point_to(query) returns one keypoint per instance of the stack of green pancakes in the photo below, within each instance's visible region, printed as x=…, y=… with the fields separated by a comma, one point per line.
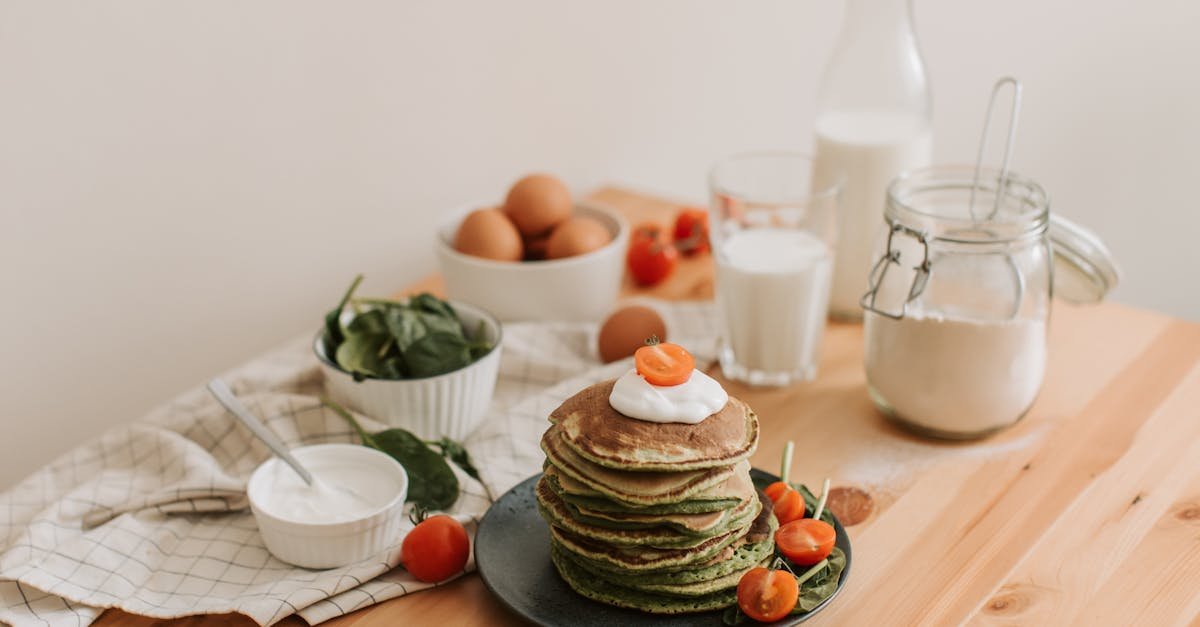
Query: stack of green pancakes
x=660, y=517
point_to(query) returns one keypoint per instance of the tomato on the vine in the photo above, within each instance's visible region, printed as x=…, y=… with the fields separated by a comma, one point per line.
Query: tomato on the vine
x=651, y=257
x=767, y=595
x=806, y=541
x=435, y=549
x=691, y=231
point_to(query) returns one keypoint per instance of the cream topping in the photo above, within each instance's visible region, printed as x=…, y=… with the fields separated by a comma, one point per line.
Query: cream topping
x=689, y=402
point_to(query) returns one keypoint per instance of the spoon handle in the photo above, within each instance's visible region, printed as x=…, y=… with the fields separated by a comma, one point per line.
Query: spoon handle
x=225, y=395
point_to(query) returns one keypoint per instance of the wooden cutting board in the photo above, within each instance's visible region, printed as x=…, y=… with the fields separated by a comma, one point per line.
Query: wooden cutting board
x=1086, y=512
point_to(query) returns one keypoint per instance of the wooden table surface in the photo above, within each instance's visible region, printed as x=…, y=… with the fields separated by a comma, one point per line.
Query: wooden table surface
x=1086, y=512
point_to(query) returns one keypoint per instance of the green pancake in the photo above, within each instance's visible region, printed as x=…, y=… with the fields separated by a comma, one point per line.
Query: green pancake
x=691, y=582
x=619, y=560
x=631, y=488
x=579, y=495
x=597, y=589
x=560, y=514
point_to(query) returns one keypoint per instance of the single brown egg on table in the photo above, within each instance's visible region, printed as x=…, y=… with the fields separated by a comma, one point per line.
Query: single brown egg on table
x=577, y=236
x=538, y=203
x=488, y=233
x=627, y=330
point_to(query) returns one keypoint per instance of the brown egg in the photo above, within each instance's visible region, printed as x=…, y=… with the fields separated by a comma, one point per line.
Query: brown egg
x=538, y=203
x=488, y=233
x=627, y=330
x=577, y=236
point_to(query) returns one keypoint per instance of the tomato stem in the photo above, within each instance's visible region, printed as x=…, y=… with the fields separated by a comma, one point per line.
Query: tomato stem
x=808, y=574
x=821, y=502
x=785, y=465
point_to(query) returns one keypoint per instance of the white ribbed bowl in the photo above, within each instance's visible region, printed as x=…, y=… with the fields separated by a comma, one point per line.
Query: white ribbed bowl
x=450, y=404
x=330, y=545
x=579, y=289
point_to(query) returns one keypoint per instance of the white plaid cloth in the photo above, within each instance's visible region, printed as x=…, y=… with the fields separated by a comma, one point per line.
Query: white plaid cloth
x=152, y=518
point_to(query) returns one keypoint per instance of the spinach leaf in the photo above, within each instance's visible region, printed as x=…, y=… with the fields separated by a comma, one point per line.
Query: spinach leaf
x=431, y=483
x=420, y=337
x=456, y=453
x=362, y=355
x=370, y=322
x=333, y=326
x=733, y=615
x=432, y=304
x=437, y=353
x=405, y=325
x=822, y=585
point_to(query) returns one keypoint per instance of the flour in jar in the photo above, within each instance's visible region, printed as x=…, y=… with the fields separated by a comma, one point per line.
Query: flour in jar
x=955, y=376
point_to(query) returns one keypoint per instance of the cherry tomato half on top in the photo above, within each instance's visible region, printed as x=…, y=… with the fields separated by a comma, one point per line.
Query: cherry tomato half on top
x=663, y=363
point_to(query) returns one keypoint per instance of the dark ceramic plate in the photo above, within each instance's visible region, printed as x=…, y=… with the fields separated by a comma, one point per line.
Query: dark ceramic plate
x=512, y=552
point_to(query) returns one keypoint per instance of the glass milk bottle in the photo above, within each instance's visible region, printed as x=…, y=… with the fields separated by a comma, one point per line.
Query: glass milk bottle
x=873, y=122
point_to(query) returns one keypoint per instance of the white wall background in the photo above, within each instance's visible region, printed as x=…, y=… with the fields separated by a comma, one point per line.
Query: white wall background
x=185, y=184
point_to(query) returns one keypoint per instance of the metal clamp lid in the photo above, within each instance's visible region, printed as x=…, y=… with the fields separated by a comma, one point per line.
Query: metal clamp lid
x=892, y=256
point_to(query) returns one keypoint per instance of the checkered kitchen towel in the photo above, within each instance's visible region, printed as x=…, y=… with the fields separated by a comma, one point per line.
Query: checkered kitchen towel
x=152, y=518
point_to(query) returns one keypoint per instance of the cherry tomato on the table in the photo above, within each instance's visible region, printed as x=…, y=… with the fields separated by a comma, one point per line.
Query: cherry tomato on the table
x=691, y=231
x=435, y=549
x=663, y=363
x=651, y=257
x=806, y=541
x=776, y=490
x=767, y=595
x=789, y=506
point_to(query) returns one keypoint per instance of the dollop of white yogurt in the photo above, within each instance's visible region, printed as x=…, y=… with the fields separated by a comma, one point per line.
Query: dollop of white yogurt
x=340, y=492
x=689, y=402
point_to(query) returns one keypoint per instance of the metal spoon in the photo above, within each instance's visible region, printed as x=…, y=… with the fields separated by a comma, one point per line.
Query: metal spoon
x=225, y=395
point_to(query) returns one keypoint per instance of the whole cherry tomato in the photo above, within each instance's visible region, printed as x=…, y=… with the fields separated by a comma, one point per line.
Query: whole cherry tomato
x=651, y=257
x=767, y=595
x=663, y=363
x=435, y=549
x=691, y=231
x=806, y=541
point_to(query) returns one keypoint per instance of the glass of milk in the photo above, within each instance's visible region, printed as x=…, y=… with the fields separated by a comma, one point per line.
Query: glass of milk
x=772, y=234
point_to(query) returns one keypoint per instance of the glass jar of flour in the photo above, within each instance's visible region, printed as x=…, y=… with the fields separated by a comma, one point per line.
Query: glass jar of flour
x=959, y=298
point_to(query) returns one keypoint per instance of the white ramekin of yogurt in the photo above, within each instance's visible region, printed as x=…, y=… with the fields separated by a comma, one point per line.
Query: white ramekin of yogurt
x=353, y=510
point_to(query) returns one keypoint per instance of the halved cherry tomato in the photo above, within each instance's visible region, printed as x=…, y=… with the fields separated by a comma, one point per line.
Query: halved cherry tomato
x=776, y=490
x=664, y=363
x=435, y=549
x=691, y=231
x=806, y=541
x=789, y=506
x=767, y=595
x=651, y=258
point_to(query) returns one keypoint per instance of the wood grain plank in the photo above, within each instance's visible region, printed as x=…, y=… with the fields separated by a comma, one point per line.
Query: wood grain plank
x=1156, y=584
x=1086, y=545
x=955, y=556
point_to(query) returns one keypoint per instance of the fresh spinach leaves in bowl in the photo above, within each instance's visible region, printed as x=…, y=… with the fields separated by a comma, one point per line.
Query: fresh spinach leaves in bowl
x=386, y=339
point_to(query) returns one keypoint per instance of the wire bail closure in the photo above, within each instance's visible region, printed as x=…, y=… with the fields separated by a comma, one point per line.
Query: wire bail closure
x=892, y=257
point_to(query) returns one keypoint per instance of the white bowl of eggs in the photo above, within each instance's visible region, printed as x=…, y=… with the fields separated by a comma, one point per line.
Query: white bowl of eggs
x=538, y=256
